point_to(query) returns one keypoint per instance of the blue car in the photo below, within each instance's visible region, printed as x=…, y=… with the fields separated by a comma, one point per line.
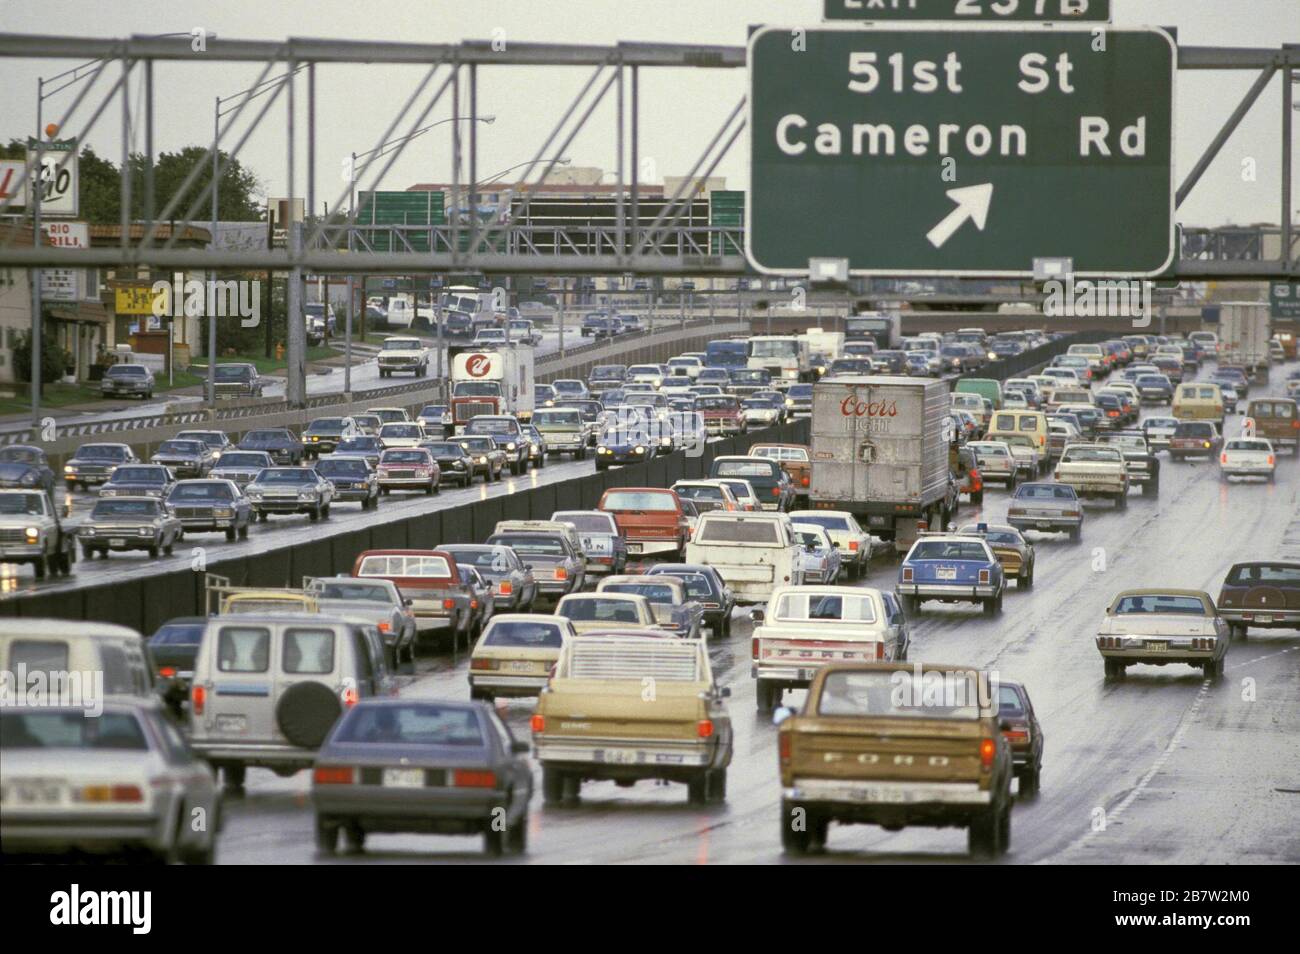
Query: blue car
x=623, y=447
x=951, y=568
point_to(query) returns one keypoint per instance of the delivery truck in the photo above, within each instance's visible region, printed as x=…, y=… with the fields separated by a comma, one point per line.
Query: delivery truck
x=880, y=451
x=1243, y=337
x=497, y=380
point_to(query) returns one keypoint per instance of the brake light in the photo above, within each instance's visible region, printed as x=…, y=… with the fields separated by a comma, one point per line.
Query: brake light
x=1295, y=425
x=985, y=576
x=506, y=588
x=482, y=664
x=1016, y=735
x=470, y=778
x=198, y=696
x=350, y=696
x=112, y=793
x=448, y=604
x=333, y=775
x=168, y=672
x=1112, y=413
x=880, y=650
x=753, y=648
x=1223, y=458
x=538, y=722
x=704, y=728
x=988, y=748
x=561, y=573
x=784, y=746
x=907, y=574
x=1270, y=460
x=853, y=546
x=805, y=479
x=385, y=626
x=776, y=491
x=473, y=604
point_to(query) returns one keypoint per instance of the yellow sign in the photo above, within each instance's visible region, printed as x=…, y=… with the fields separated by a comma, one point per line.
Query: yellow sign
x=133, y=300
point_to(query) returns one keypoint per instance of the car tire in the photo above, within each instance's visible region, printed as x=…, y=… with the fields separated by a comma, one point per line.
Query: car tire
x=517, y=837
x=1121, y=502
x=716, y=787
x=552, y=785
x=153, y=552
x=766, y=695
x=697, y=789
x=1151, y=488
x=313, y=514
x=232, y=777
x=306, y=712
x=977, y=497
x=242, y=533
x=1075, y=533
x=1027, y=582
x=1030, y=781
x=327, y=837
x=982, y=838
x=795, y=837
x=41, y=565
x=355, y=838
x=87, y=552
x=230, y=534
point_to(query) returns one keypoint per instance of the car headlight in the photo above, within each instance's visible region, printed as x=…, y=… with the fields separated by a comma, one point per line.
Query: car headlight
x=33, y=534
x=537, y=448
x=666, y=441
x=641, y=450
x=510, y=446
x=69, y=469
x=254, y=493
x=306, y=494
x=28, y=479
x=603, y=450
x=145, y=531
x=458, y=464
x=789, y=402
x=482, y=460
x=226, y=512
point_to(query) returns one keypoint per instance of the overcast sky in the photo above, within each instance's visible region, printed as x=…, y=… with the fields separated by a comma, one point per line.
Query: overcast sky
x=681, y=109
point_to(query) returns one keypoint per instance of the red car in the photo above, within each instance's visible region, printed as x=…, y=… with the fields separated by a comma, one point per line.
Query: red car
x=651, y=519
x=722, y=414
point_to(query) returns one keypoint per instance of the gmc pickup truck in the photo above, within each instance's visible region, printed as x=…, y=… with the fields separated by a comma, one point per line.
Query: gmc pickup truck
x=877, y=744
x=626, y=708
x=1095, y=470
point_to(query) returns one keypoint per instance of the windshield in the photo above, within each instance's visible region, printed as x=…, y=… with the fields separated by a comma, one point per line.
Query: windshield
x=717, y=402
x=404, y=565
x=228, y=373
x=350, y=444
x=1160, y=603
x=500, y=559
x=477, y=389
x=181, y=447
x=901, y=694
x=654, y=592
x=553, y=418
x=125, y=508
x=699, y=492
x=948, y=550
x=745, y=468
x=111, y=731
x=830, y=606
x=765, y=532
x=286, y=475
x=265, y=437
x=1044, y=492
x=594, y=609
x=423, y=724
x=127, y=371
x=351, y=590
x=404, y=457
x=237, y=459
x=139, y=475
x=491, y=425
x=594, y=522
x=639, y=500
x=101, y=452
x=1091, y=455
x=1252, y=573
x=200, y=492
x=521, y=635
x=342, y=468
x=778, y=348
x=21, y=504
x=529, y=544
x=325, y=424
x=400, y=431
x=402, y=344
x=445, y=450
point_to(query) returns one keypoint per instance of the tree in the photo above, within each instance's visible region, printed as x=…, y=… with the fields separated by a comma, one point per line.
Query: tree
x=100, y=183
x=54, y=359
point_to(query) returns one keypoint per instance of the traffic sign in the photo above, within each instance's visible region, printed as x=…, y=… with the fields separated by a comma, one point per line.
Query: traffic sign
x=1066, y=10
x=59, y=176
x=962, y=151
x=1284, y=299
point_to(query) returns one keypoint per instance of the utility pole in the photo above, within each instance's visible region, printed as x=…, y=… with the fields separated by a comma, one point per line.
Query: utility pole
x=37, y=178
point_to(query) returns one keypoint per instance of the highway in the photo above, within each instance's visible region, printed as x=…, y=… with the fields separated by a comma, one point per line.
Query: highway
x=1162, y=767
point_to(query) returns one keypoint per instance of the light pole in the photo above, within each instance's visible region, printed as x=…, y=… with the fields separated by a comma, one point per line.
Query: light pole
x=370, y=155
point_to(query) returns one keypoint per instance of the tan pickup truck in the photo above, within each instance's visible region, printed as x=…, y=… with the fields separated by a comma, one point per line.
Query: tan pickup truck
x=894, y=745
x=626, y=708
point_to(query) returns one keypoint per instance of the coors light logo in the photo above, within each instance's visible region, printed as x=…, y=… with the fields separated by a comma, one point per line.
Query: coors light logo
x=852, y=407
x=478, y=365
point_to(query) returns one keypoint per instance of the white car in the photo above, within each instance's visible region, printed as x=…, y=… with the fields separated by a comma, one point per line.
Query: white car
x=995, y=460
x=650, y=374
x=686, y=366
x=1025, y=452
x=846, y=534
x=759, y=414
x=401, y=434
x=1247, y=457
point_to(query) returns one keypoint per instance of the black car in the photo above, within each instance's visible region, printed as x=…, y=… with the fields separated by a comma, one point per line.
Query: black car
x=457, y=324
x=623, y=447
x=138, y=480
x=94, y=463
x=353, y=479
x=283, y=447
x=23, y=466
x=241, y=466
x=174, y=647
x=211, y=506
x=488, y=459
x=185, y=458
x=366, y=446
x=1110, y=412
x=1019, y=726
x=324, y=434
x=407, y=765
x=1143, y=465
x=1155, y=389
x=454, y=463
x=704, y=585
x=127, y=380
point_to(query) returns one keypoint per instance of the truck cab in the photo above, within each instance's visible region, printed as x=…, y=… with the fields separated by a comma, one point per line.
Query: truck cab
x=785, y=357
x=31, y=532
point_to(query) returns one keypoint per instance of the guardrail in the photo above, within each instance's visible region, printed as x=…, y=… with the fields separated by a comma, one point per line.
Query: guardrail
x=145, y=432
x=145, y=602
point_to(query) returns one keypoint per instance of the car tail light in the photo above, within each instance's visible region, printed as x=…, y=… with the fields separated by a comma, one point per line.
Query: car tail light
x=1295, y=425
x=880, y=650
x=988, y=748
x=805, y=479
x=385, y=626
x=350, y=696
x=198, y=696
x=334, y=775
x=753, y=648
x=985, y=576
x=1223, y=458
x=473, y=604
x=1270, y=460
x=1017, y=733
x=482, y=664
x=506, y=588
x=853, y=546
x=471, y=778
x=538, y=722
x=776, y=491
x=783, y=746
x=167, y=672
x=448, y=604
x=907, y=574
x=1112, y=413
x=111, y=793
x=561, y=573
x=704, y=728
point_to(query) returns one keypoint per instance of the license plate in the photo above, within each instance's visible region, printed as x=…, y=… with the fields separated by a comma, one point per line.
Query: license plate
x=518, y=665
x=403, y=778
x=1263, y=619
x=33, y=792
x=232, y=723
x=619, y=756
x=1044, y=525
x=1157, y=647
x=117, y=541
x=946, y=573
x=877, y=521
x=874, y=794
x=806, y=675
x=634, y=548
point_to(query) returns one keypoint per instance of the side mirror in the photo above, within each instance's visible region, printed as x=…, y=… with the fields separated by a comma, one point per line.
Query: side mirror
x=407, y=601
x=781, y=714
x=756, y=615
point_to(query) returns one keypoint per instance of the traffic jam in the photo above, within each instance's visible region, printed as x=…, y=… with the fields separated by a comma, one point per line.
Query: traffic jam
x=783, y=601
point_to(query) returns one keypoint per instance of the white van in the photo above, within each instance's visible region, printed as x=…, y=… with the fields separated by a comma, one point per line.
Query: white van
x=752, y=552
x=77, y=651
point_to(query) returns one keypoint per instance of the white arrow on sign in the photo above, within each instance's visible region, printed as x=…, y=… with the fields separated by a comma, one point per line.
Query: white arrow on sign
x=972, y=203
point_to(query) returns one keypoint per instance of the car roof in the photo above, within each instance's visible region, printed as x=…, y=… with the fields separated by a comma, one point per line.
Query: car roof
x=61, y=627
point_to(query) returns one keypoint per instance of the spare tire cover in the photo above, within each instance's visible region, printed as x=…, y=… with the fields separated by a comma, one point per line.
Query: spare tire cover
x=306, y=713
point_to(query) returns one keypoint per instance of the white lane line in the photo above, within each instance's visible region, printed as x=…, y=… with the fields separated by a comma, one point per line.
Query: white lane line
x=1251, y=662
x=1156, y=766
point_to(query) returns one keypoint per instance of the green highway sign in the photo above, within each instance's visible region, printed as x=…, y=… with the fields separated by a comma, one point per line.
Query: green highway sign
x=1044, y=10
x=1284, y=299
x=961, y=151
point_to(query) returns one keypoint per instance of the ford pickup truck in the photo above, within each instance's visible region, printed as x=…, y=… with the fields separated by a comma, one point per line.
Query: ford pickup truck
x=1095, y=470
x=31, y=532
x=629, y=708
x=403, y=353
x=805, y=628
x=876, y=744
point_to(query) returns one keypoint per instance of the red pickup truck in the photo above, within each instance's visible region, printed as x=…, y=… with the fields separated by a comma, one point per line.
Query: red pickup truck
x=651, y=519
x=431, y=580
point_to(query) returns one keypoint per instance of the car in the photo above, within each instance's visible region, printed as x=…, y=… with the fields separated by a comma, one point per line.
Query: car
x=1030, y=463
x=127, y=380
x=570, y=388
x=408, y=468
x=403, y=353
x=283, y=447
x=324, y=434
x=138, y=480
x=752, y=552
x=1194, y=439
x=623, y=446
x=23, y=467
x=487, y=456
x=1277, y=420
x=129, y=523
x=368, y=424
x=605, y=613
x=1013, y=550
x=537, y=447
x=1247, y=457
x=723, y=414
x=509, y=437
x=31, y=531
x=435, y=419
x=853, y=543
x=673, y=607
x=237, y=380
x=603, y=546
x=592, y=411
x=514, y=588
x=515, y=655
x=378, y=602
x=1158, y=431
x=706, y=586
x=1020, y=727
x=172, y=648
x=211, y=506
x=289, y=490
x=367, y=446
x=707, y=494
x=455, y=465
x=1155, y=389
x=762, y=411
x=558, y=568
x=951, y=568
x=1047, y=508
x=390, y=415
x=679, y=733
x=93, y=464
x=406, y=434
x=1162, y=626
x=426, y=766
x=240, y=466
x=767, y=477
x=887, y=714
x=185, y=458
x=353, y=478
x=995, y=462
x=431, y=580
x=543, y=396
x=820, y=561
x=1139, y=459
x=124, y=782
x=1261, y=594
x=1095, y=470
